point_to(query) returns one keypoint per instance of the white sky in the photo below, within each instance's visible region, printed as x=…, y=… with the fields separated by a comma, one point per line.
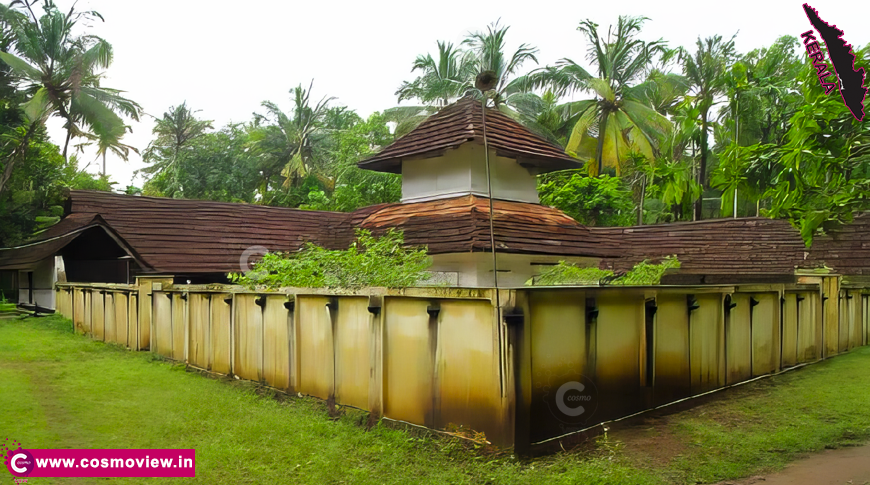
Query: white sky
x=224, y=58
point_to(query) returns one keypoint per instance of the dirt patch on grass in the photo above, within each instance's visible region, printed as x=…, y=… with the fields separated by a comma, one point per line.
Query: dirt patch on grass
x=649, y=443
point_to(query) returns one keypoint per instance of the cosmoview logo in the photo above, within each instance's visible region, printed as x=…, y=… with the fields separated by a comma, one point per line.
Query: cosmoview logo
x=563, y=401
x=19, y=462
x=574, y=402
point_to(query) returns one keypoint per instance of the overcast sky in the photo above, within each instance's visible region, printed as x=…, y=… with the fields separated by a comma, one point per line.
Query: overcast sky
x=224, y=58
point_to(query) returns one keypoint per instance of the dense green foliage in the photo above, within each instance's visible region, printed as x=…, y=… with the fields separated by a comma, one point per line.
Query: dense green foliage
x=47, y=71
x=602, y=201
x=662, y=126
x=644, y=273
x=369, y=261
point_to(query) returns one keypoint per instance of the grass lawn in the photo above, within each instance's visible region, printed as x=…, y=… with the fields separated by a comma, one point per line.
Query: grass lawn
x=61, y=390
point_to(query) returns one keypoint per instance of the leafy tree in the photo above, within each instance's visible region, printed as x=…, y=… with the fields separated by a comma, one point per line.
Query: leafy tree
x=176, y=135
x=287, y=142
x=590, y=201
x=706, y=71
x=369, y=262
x=354, y=187
x=617, y=121
x=820, y=171
x=61, y=71
x=211, y=166
x=488, y=50
x=441, y=81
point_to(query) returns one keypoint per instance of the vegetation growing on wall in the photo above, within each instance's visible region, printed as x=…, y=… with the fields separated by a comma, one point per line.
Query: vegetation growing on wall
x=369, y=261
x=642, y=274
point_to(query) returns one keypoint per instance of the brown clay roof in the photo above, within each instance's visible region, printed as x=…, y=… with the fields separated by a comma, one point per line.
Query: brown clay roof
x=717, y=246
x=743, y=246
x=462, y=122
x=846, y=249
x=176, y=236
x=195, y=236
x=191, y=236
x=461, y=224
x=54, y=239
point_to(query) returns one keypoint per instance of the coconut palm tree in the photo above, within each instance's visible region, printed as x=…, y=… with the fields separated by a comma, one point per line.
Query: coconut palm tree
x=619, y=119
x=489, y=54
x=443, y=80
x=63, y=73
x=706, y=71
x=176, y=133
x=288, y=141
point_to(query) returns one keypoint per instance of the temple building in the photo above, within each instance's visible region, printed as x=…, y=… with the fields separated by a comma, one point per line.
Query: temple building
x=445, y=206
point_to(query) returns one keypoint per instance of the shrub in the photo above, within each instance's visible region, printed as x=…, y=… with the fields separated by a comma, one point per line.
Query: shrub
x=644, y=273
x=369, y=261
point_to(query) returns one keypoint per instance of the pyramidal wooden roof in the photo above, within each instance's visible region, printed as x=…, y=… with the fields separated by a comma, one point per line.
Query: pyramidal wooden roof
x=462, y=122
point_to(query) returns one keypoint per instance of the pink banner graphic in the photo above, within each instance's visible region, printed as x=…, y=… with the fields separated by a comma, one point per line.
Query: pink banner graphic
x=99, y=463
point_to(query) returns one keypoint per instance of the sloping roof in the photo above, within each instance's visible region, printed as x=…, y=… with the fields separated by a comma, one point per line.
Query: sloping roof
x=174, y=236
x=462, y=122
x=195, y=236
x=741, y=246
x=54, y=239
x=190, y=236
x=846, y=249
x=461, y=224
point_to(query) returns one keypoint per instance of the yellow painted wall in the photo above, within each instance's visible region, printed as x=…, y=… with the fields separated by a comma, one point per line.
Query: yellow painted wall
x=98, y=316
x=831, y=311
x=450, y=369
x=672, y=377
x=219, y=328
x=179, y=326
x=619, y=331
x=276, y=342
x=109, y=318
x=765, y=334
x=809, y=328
x=467, y=369
x=408, y=361
x=353, y=364
x=161, y=315
x=738, y=343
x=865, y=315
x=856, y=324
x=248, y=335
x=706, y=329
x=557, y=333
x=315, y=360
x=790, y=330
x=198, y=333
x=81, y=324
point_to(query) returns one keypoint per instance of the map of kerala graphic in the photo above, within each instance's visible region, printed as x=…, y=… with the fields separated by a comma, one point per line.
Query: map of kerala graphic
x=851, y=80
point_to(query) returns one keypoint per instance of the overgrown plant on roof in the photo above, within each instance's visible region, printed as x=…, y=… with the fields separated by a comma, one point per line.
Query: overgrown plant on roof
x=644, y=273
x=369, y=262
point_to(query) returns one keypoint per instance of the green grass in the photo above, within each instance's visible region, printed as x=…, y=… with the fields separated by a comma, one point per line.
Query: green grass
x=61, y=390
x=766, y=424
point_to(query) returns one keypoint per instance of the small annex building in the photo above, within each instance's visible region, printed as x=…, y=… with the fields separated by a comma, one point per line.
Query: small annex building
x=445, y=206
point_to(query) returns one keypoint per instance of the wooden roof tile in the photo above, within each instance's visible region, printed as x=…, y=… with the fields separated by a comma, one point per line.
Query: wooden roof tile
x=462, y=122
